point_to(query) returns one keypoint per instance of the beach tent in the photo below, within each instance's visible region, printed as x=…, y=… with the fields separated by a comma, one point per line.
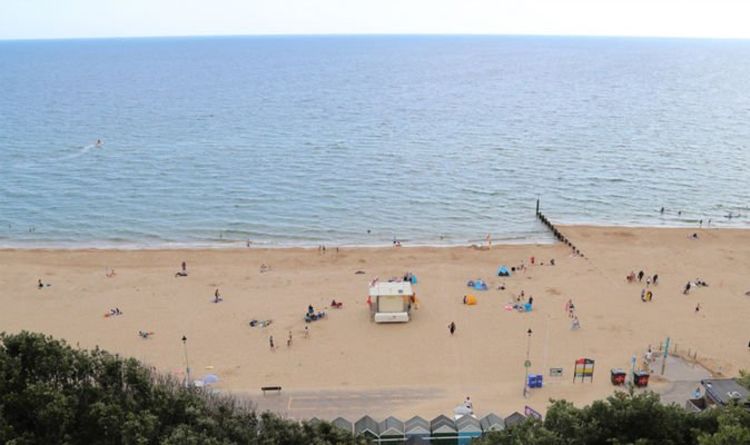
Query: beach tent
x=514, y=419
x=392, y=430
x=367, y=427
x=443, y=431
x=503, y=271
x=468, y=428
x=417, y=426
x=471, y=300
x=343, y=424
x=480, y=285
x=492, y=422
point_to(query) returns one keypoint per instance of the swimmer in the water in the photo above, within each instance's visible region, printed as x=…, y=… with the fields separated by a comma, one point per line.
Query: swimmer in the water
x=98, y=142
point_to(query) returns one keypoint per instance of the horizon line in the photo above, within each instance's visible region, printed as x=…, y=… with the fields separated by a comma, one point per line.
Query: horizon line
x=292, y=35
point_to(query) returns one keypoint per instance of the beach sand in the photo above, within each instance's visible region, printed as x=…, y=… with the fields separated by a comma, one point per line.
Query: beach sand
x=348, y=354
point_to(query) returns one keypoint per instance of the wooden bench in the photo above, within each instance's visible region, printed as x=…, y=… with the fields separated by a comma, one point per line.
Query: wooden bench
x=270, y=388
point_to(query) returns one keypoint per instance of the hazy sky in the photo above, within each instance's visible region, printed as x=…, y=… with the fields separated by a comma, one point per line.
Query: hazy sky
x=28, y=19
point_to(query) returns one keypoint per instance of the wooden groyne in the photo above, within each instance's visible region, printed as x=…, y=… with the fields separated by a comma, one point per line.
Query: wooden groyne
x=555, y=231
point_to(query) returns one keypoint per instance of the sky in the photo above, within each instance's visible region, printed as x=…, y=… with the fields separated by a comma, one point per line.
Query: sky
x=55, y=19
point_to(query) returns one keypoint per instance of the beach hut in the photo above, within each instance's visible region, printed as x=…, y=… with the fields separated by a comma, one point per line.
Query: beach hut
x=391, y=430
x=514, y=419
x=468, y=428
x=492, y=422
x=343, y=424
x=443, y=431
x=417, y=426
x=391, y=301
x=367, y=427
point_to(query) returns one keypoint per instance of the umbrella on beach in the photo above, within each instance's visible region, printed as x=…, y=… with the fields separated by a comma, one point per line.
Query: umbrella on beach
x=209, y=379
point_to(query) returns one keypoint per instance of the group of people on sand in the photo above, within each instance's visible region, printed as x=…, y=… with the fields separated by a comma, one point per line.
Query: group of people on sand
x=313, y=315
x=570, y=309
x=690, y=284
x=113, y=312
x=652, y=279
x=289, y=339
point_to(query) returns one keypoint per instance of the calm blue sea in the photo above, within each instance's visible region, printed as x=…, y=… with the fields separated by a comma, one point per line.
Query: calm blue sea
x=357, y=140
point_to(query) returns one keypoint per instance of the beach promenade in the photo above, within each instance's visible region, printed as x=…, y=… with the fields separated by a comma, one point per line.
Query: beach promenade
x=348, y=363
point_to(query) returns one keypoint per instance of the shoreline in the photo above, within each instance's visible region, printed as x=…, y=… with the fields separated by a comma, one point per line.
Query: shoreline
x=241, y=245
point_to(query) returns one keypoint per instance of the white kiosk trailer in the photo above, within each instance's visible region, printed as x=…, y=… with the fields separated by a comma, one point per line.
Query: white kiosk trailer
x=391, y=301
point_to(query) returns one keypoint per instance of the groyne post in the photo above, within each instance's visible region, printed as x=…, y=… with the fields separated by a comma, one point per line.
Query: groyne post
x=558, y=235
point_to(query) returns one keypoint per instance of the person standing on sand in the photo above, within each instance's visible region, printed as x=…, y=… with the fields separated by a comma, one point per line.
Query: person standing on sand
x=307, y=332
x=289, y=340
x=687, y=288
x=217, y=296
x=270, y=342
x=655, y=278
x=697, y=308
x=640, y=276
x=452, y=327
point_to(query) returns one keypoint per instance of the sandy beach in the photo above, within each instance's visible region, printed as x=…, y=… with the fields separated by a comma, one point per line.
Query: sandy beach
x=347, y=352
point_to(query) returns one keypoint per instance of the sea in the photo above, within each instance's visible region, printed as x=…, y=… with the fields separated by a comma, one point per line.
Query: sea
x=360, y=140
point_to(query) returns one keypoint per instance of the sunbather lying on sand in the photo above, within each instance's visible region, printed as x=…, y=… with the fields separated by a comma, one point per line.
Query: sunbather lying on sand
x=145, y=334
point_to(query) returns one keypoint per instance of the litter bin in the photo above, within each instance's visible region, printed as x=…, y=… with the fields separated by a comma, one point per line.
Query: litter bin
x=617, y=376
x=535, y=380
x=640, y=378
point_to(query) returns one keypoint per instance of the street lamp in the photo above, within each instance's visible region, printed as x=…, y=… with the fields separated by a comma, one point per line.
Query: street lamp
x=527, y=363
x=187, y=364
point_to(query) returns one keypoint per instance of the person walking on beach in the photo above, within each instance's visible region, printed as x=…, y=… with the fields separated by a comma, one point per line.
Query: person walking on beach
x=687, y=288
x=655, y=278
x=40, y=285
x=307, y=332
x=576, y=323
x=452, y=327
x=289, y=340
x=697, y=308
x=270, y=343
x=640, y=276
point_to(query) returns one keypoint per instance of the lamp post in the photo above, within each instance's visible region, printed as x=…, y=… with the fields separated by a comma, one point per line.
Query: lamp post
x=187, y=364
x=527, y=363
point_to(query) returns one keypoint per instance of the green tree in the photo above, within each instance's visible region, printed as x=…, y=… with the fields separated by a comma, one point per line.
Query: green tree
x=51, y=393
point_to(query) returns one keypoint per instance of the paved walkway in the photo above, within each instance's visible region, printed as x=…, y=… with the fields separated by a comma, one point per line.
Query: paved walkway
x=348, y=404
x=683, y=378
